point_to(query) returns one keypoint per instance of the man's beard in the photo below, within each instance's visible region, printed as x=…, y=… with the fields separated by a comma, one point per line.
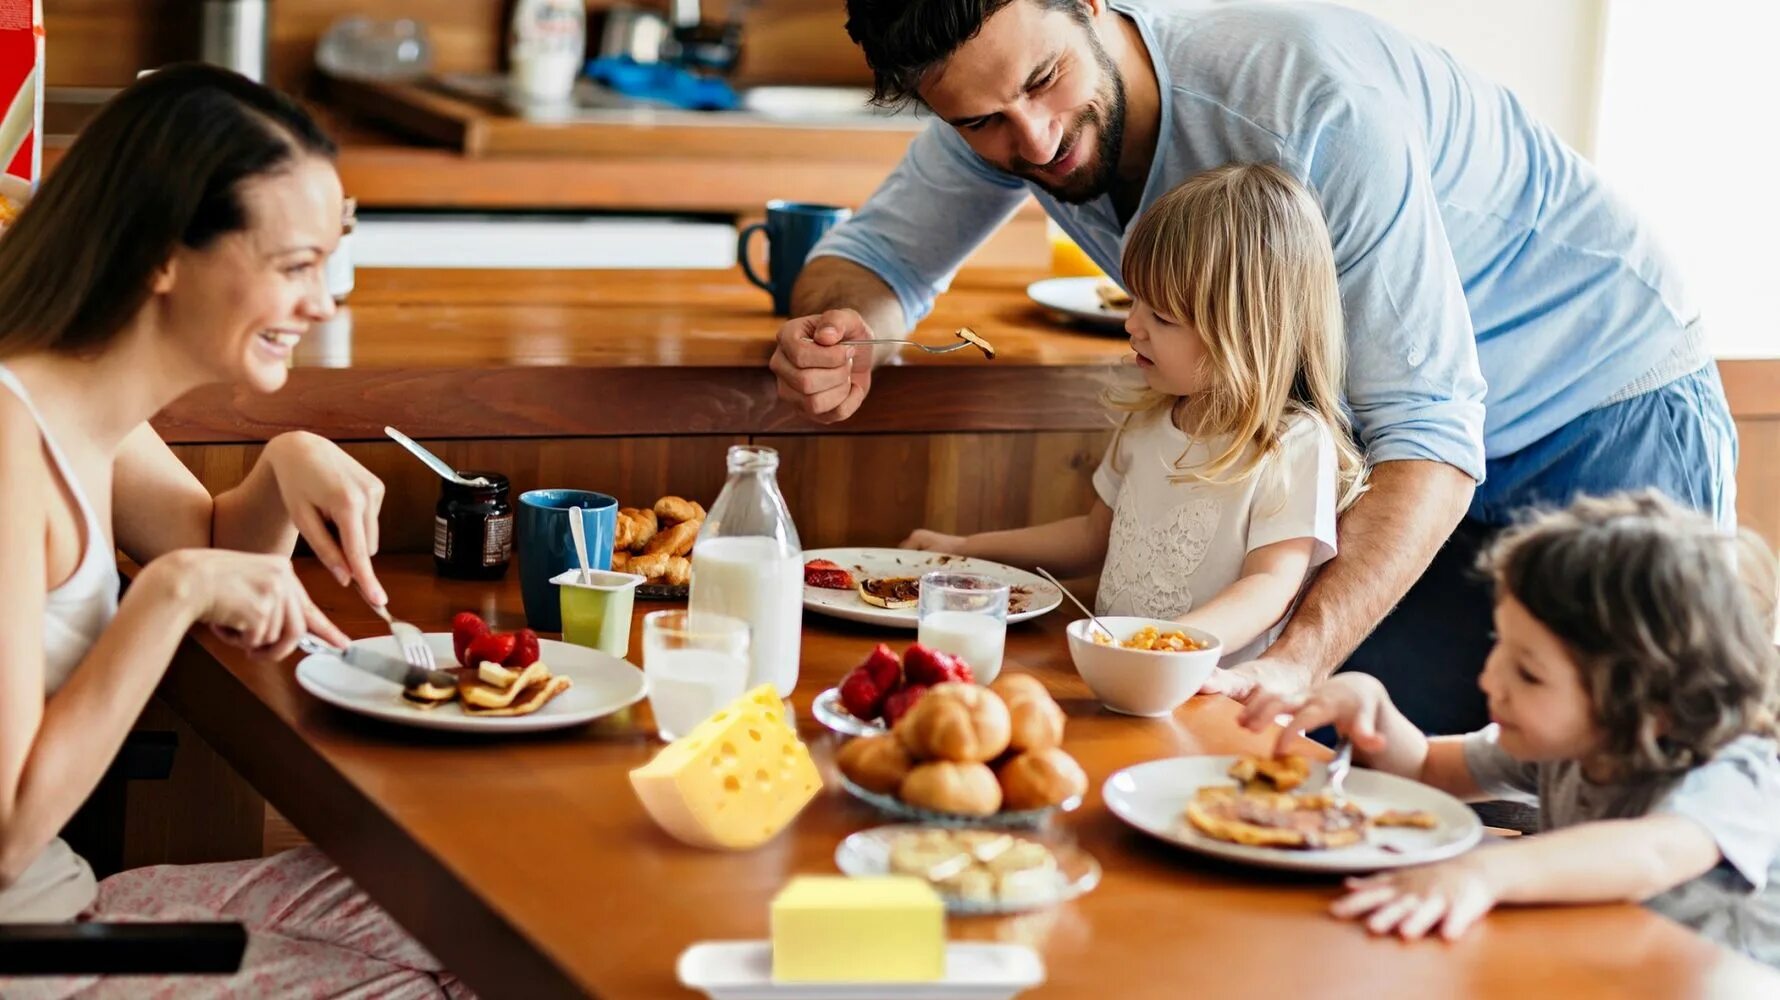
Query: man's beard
x=1094, y=177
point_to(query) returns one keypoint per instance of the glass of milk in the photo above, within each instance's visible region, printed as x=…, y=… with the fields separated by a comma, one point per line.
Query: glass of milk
x=966, y=615
x=693, y=665
x=747, y=563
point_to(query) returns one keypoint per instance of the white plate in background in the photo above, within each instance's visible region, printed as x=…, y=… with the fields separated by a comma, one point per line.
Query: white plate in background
x=1077, y=299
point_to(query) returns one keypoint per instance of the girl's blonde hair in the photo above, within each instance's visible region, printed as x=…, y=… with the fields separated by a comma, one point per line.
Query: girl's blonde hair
x=1669, y=617
x=1243, y=254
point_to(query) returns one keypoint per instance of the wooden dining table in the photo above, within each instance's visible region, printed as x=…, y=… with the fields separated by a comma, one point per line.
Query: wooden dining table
x=527, y=865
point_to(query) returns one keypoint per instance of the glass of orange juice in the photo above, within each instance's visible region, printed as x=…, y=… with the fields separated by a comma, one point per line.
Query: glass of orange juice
x=1067, y=259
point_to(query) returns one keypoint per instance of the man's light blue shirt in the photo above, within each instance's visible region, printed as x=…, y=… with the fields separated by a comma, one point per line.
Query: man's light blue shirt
x=1493, y=288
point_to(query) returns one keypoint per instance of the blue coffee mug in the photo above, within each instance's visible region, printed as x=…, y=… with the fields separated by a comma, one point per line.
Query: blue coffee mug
x=792, y=230
x=546, y=547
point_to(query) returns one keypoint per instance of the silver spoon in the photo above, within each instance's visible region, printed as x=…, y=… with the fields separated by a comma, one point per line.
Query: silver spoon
x=432, y=461
x=1047, y=575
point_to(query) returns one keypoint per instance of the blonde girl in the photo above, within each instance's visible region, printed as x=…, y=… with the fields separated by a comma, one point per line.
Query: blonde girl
x=1233, y=456
x=1633, y=691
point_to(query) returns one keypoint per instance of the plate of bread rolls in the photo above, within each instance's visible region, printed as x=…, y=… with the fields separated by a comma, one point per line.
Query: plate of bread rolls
x=968, y=755
x=655, y=543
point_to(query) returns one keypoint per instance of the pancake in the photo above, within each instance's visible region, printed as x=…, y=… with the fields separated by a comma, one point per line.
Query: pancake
x=1278, y=774
x=891, y=591
x=526, y=701
x=1275, y=819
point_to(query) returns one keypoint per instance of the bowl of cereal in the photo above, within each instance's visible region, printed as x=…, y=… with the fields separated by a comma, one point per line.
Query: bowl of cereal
x=1149, y=666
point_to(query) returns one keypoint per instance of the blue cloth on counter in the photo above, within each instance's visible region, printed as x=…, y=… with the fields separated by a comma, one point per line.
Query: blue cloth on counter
x=663, y=82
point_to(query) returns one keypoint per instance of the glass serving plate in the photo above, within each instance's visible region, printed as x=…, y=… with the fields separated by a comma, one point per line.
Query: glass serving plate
x=868, y=853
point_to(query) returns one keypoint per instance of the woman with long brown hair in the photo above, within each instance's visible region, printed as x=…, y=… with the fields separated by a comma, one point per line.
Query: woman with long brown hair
x=180, y=243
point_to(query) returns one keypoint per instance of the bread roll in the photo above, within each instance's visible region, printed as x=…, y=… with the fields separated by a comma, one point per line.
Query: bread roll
x=1035, y=718
x=675, y=510
x=968, y=788
x=620, y=559
x=1040, y=778
x=957, y=722
x=878, y=763
x=654, y=567
x=635, y=528
x=674, y=541
x=679, y=572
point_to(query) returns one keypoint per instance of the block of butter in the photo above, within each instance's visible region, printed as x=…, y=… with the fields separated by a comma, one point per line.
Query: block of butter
x=735, y=781
x=835, y=929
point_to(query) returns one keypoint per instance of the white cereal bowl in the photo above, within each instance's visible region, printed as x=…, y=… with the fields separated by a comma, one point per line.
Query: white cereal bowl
x=1138, y=681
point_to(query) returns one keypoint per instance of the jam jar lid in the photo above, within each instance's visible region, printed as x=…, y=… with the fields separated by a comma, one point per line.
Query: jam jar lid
x=497, y=486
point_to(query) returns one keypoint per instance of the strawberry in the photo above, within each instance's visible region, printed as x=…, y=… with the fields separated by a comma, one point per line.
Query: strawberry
x=465, y=627
x=885, y=669
x=491, y=647
x=861, y=696
x=525, y=649
x=961, y=672
x=926, y=665
x=901, y=702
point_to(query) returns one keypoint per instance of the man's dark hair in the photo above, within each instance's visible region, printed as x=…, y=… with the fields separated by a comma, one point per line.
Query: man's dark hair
x=904, y=39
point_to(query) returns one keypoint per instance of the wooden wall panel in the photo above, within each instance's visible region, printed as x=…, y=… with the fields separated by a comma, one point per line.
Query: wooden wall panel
x=636, y=470
x=103, y=43
x=1758, y=477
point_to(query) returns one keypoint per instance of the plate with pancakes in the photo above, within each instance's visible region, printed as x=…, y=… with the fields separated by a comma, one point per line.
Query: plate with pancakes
x=568, y=686
x=1093, y=301
x=1273, y=814
x=883, y=586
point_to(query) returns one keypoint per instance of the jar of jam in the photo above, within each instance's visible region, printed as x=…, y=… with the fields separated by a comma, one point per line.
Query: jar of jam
x=473, y=528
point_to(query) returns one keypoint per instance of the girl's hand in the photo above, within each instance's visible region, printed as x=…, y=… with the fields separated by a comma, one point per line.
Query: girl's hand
x=250, y=600
x=1353, y=703
x=933, y=541
x=1451, y=895
x=322, y=485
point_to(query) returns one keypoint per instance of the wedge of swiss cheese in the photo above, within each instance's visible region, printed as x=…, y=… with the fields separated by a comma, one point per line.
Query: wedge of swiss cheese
x=735, y=781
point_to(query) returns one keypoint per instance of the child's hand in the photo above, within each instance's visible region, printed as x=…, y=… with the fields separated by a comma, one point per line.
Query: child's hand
x=1451, y=895
x=933, y=541
x=1353, y=703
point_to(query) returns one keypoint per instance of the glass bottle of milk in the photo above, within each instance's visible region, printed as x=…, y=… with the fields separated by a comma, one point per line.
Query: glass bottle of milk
x=748, y=564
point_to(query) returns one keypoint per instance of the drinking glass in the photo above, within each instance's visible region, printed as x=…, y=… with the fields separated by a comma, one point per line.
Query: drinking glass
x=966, y=615
x=694, y=663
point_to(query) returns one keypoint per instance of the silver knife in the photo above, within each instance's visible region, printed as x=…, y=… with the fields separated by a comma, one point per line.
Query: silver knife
x=378, y=664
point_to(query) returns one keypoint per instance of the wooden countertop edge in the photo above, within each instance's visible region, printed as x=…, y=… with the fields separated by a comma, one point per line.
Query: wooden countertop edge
x=349, y=404
x=528, y=402
x=480, y=946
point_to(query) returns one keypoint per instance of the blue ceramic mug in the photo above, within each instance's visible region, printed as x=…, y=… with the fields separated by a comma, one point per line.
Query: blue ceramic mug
x=792, y=230
x=546, y=547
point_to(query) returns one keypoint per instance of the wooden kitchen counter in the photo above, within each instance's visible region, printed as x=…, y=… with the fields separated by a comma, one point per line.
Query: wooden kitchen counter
x=516, y=354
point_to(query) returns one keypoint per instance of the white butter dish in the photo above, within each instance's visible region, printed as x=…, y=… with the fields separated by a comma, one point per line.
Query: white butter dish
x=743, y=970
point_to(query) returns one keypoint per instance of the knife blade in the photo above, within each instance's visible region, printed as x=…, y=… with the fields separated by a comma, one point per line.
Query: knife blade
x=378, y=664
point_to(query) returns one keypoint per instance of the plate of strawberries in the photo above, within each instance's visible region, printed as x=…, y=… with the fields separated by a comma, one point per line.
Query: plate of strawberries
x=507, y=682
x=878, y=691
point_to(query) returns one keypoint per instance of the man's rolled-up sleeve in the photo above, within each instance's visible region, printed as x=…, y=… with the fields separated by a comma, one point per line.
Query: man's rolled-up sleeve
x=938, y=205
x=1413, y=380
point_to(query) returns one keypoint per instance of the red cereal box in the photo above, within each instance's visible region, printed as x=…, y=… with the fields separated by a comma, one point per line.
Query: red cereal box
x=21, y=97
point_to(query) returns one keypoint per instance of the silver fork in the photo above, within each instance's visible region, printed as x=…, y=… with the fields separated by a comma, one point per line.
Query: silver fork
x=949, y=348
x=411, y=640
x=1338, y=768
x=966, y=338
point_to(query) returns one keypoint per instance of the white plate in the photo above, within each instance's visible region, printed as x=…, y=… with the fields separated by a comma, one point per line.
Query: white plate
x=1153, y=798
x=866, y=562
x=1077, y=299
x=743, y=970
x=867, y=853
x=829, y=711
x=603, y=685
x=1006, y=819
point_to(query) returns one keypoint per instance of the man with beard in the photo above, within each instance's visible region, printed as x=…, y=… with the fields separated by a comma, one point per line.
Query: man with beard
x=1514, y=334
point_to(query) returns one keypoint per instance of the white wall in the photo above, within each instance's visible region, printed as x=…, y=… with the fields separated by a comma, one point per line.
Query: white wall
x=1546, y=51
